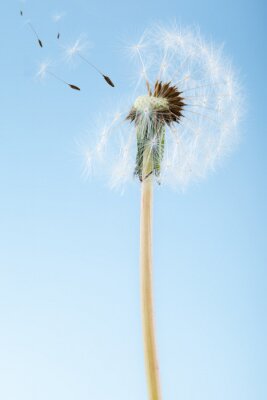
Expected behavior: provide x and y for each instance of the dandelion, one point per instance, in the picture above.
(57, 18)
(76, 50)
(181, 122)
(44, 69)
(35, 33)
(187, 94)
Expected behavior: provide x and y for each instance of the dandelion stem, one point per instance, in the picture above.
(150, 352)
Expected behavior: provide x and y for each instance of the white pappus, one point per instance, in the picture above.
(199, 127)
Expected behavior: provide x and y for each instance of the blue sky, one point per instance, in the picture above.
(69, 294)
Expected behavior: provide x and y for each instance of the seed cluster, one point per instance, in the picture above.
(151, 113)
(165, 104)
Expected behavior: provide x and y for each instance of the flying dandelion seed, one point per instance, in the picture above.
(76, 51)
(34, 31)
(57, 18)
(183, 120)
(107, 79)
(44, 70)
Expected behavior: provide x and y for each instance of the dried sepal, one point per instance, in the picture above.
(175, 102)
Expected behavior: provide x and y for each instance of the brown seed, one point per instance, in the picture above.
(74, 87)
(108, 80)
(40, 43)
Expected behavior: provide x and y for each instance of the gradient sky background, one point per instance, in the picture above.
(69, 296)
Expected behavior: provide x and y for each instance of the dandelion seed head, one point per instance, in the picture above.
(186, 111)
(145, 103)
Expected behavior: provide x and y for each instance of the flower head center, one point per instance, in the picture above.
(150, 103)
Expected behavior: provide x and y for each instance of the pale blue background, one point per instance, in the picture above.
(69, 295)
